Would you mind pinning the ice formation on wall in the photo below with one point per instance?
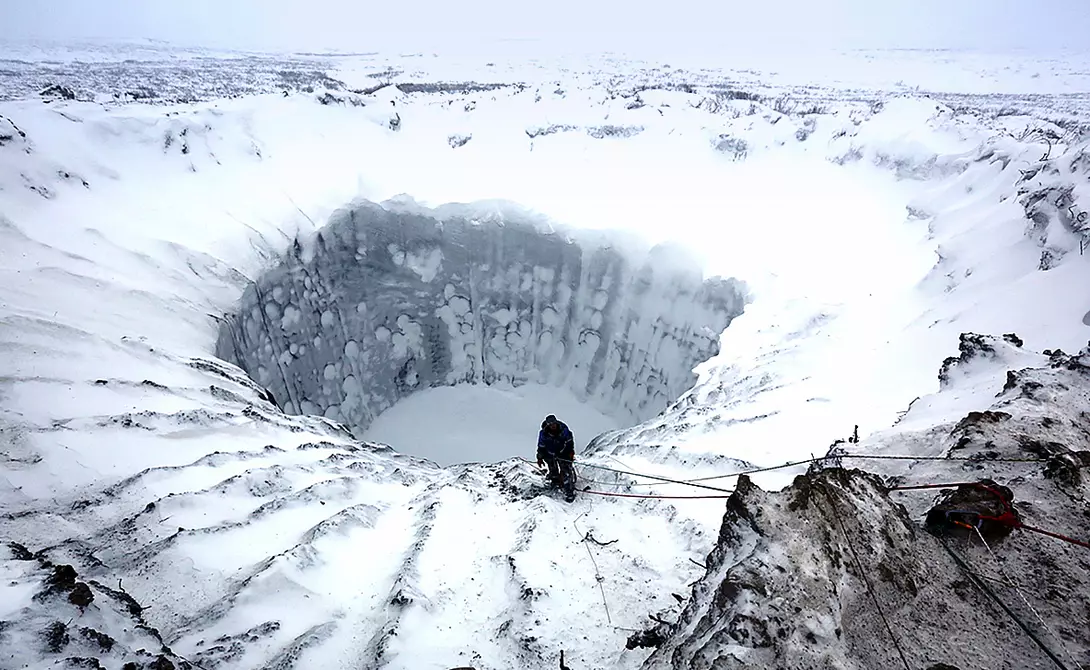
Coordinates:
(384, 302)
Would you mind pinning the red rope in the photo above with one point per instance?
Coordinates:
(1055, 535)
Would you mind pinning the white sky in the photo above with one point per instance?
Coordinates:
(631, 25)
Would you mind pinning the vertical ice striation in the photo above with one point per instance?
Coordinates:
(384, 302)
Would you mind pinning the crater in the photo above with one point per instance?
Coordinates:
(388, 301)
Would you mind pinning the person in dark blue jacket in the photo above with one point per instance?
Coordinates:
(556, 449)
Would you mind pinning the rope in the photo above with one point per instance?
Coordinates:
(920, 487)
(790, 464)
(1017, 590)
(597, 574)
(655, 477)
(818, 459)
(980, 584)
(866, 579)
(584, 480)
(657, 497)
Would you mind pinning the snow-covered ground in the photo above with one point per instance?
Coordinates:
(453, 424)
(870, 228)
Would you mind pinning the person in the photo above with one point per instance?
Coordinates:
(556, 449)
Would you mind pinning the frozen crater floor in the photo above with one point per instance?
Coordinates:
(245, 344)
(483, 423)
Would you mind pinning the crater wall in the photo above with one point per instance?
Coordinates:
(386, 301)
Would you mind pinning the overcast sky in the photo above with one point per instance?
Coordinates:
(364, 25)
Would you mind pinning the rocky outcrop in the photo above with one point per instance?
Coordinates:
(388, 301)
(836, 571)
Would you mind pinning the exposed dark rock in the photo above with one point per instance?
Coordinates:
(652, 637)
(748, 631)
(83, 662)
(19, 552)
(160, 663)
(1066, 468)
(1044, 449)
(971, 345)
(328, 98)
(104, 641)
(81, 595)
(268, 396)
(58, 91)
(228, 648)
(61, 580)
(1013, 339)
(976, 419)
(55, 637)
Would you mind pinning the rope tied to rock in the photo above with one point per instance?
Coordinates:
(972, 519)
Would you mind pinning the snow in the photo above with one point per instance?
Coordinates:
(450, 424)
(868, 237)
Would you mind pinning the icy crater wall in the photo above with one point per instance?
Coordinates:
(384, 302)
